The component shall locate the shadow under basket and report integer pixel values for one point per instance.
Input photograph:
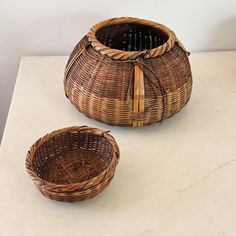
(73, 164)
(128, 72)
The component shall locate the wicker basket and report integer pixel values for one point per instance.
(128, 72)
(73, 164)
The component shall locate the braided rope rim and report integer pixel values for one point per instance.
(125, 55)
(70, 188)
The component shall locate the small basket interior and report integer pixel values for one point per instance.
(72, 157)
(131, 37)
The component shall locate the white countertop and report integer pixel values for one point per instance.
(173, 179)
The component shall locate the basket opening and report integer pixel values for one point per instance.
(131, 37)
(72, 157)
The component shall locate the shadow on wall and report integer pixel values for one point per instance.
(48, 36)
(224, 36)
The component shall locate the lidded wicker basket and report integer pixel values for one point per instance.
(128, 72)
(73, 164)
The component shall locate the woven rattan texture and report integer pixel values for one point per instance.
(73, 164)
(103, 87)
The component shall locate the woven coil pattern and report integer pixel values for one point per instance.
(73, 164)
(128, 72)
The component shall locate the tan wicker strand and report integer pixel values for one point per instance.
(104, 81)
(138, 105)
(136, 93)
(141, 95)
(73, 164)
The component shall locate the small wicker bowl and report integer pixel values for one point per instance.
(73, 164)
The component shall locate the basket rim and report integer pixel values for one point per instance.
(127, 55)
(83, 129)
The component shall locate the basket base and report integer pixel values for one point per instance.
(74, 166)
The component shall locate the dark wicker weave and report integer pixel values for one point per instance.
(128, 72)
(73, 164)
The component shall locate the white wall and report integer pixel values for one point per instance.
(53, 27)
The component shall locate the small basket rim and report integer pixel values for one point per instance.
(129, 55)
(83, 129)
